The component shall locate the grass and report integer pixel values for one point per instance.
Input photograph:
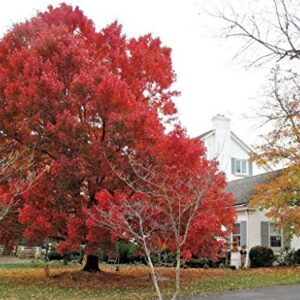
(28, 281)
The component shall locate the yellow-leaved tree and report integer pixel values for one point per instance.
(280, 196)
(270, 33)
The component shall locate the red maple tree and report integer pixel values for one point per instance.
(68, 93)
(81, 100)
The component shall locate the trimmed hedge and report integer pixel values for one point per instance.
(261, 256)
(297, 257)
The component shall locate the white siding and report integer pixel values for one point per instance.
(241, 216)
(255, 217)
(209, 143)
(295, 244)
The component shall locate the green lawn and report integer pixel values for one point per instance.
(28, 281)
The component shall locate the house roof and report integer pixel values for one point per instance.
(244, 189)
(206, 133)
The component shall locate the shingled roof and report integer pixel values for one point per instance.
(244, 189)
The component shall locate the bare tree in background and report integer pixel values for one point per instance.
(272, 37)
(273, 34)
(16, 178)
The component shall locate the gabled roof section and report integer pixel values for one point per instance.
(206, 134)
(233, 136)
(244, 189)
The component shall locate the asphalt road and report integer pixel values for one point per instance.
(288, 292)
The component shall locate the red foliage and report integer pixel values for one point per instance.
(72, 94)
(79, 98)
(178, 187)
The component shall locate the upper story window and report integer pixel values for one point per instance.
(241, 167)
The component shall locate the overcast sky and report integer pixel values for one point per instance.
(210, 81)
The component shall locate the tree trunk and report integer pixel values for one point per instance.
(153, 275)
(92, 264)
(65, 259)
(152, 270)
(177, 273)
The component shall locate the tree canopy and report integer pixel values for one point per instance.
(83, 101)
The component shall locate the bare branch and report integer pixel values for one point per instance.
(16, 179)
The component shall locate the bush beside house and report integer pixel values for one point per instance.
(261, 256)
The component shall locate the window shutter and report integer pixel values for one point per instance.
(265, 235)
(243, 233)
(250, 168)
(233, 166)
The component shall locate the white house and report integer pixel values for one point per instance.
(252, 227)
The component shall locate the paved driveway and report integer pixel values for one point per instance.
(288, 292)
(4, 260)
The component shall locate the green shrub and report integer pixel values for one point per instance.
(54, 255)
(127, 252)
(287, 257)
(73, 255)
(297, 257)
(124, 252)
(70, 256)
(164, 258)
(261, 256)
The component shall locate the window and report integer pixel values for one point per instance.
(241, 166)
(236, 236)
(275, 241)
(275, 236)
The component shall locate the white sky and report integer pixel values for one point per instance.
(209, 80)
